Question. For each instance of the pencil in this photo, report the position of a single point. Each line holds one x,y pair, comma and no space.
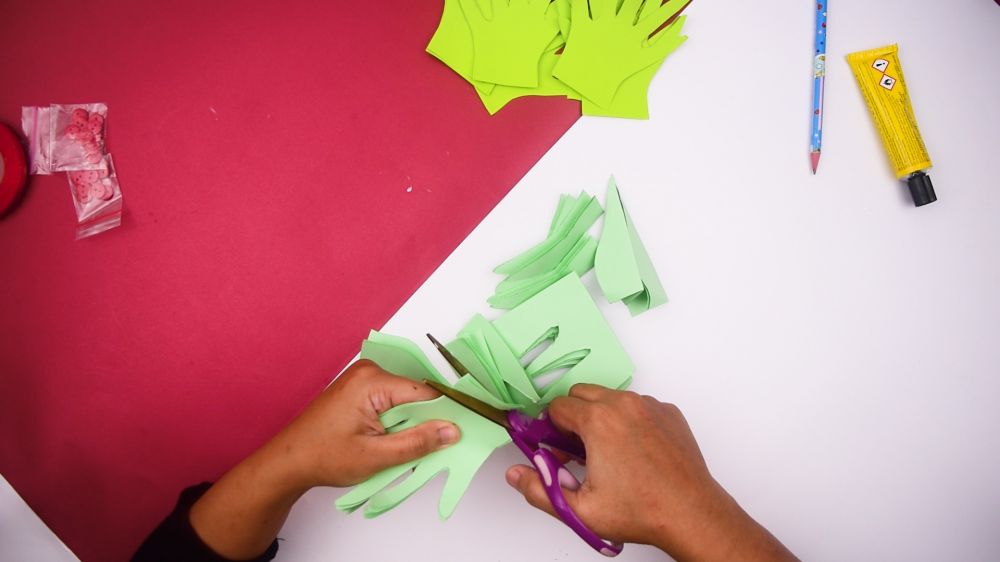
819,77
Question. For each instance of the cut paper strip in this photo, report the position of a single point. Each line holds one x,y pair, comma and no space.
480,437
565,313
622,265
452,44
508,40
607,44
631,98
567,248
511,293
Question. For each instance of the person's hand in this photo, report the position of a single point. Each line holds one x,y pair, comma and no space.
647,481
339,441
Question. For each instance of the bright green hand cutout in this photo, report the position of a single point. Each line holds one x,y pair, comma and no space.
606,46
630,100
452,44
509,41
624,270
548,85
480,437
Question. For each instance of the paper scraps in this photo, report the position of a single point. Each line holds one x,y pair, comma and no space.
603,52
624,270
552,337
566,248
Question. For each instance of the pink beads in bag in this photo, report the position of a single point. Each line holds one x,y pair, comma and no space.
77,136
71,138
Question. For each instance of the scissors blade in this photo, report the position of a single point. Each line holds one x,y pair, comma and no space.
495,415
461,369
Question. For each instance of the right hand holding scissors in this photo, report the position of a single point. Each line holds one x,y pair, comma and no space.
647,481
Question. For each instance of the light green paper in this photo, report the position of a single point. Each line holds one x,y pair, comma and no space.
509,40
567,310
622,265
543,256
399,356
607,45
480,437
482,344
631,98
452,44
511,293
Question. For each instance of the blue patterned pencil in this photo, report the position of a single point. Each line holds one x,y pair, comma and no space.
819,77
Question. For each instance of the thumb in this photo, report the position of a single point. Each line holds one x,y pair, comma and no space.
525,479
411,444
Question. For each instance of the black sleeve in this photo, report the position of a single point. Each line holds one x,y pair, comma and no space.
174,540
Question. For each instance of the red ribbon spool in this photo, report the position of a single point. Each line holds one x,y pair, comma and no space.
13,169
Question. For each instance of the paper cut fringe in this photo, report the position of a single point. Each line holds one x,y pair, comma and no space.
551,310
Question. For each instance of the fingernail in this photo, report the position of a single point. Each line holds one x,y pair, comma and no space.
513,477
448,434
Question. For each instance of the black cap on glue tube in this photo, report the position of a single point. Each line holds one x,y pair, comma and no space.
921,189
13,169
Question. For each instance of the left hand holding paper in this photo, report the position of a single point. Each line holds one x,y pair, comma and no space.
339,440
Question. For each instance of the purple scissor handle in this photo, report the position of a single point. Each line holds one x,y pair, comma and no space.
529,434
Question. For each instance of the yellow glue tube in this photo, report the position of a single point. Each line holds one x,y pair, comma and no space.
880,77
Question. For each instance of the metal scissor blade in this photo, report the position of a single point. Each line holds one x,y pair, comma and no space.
495,415
461,369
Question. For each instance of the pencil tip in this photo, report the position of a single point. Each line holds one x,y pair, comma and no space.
814,158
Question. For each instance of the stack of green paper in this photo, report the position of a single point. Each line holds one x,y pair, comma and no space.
551,311
603,52
566,248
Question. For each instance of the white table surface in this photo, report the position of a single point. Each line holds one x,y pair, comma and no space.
835,349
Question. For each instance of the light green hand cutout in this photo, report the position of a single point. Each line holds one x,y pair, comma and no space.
624,270
480,437
452,44
607,45
583,341
509,41
631,98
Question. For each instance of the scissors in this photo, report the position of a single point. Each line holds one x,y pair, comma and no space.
529,433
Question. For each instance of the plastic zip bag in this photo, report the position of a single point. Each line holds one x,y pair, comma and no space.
97,197
76,136
35,124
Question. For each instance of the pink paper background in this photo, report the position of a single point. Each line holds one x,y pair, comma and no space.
264,151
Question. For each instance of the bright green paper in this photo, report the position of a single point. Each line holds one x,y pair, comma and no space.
548,85
509,40
581,339
631,98
452,44
480,437
622,265
608,45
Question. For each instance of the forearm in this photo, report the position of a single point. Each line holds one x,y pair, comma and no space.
240,516
725,532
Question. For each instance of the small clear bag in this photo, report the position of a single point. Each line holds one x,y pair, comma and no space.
97,197
76,136
35,124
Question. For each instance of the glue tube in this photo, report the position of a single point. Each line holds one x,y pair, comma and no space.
880,77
